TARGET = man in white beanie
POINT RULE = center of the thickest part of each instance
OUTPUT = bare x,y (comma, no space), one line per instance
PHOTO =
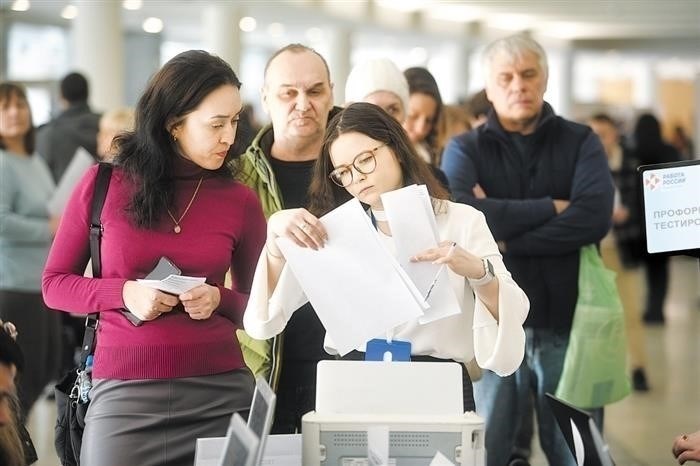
380,82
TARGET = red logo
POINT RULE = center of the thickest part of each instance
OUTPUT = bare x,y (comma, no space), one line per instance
652,181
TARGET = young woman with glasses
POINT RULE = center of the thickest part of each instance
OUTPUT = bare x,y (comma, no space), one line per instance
367,153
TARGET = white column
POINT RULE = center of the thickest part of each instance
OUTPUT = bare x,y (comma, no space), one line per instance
462,73
338,57
99,51
450,67
221,34
646,88
567,76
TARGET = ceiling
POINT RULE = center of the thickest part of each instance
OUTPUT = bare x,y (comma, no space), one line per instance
573,18
559,19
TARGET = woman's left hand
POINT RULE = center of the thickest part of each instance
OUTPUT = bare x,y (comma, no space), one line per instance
201,302
459,260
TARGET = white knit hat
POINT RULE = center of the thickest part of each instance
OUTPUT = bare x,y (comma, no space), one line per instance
378,74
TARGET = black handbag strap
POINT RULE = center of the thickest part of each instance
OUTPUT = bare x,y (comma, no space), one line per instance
104,173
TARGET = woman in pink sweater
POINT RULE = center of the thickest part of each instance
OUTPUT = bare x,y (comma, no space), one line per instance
180,375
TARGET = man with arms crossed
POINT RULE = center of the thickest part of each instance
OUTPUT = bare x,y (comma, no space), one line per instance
545,188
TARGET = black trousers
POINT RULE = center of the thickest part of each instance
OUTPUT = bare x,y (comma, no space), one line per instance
296,395
39,337
656,266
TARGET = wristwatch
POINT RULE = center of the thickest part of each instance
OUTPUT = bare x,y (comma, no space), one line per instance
488,274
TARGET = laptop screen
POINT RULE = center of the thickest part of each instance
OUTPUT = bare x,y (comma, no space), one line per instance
241,444
261,413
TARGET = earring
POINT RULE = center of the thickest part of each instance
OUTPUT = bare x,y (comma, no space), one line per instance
174,138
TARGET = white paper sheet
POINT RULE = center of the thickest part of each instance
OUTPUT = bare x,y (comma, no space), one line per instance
174,284
412,232
353,283
79,164
378,445
411,219
441,460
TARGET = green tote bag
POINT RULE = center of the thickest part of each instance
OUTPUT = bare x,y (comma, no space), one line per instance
594,372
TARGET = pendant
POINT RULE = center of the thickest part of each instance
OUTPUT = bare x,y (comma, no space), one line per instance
177,229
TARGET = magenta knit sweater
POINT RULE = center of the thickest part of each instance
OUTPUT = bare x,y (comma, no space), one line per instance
225,227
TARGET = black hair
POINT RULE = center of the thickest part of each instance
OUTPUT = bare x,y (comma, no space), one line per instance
603,118
74,88
374,122
10,352
147,154
647,132
7,91
479,104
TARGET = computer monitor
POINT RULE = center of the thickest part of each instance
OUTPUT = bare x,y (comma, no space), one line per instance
582,435
671,209
261,413
241,444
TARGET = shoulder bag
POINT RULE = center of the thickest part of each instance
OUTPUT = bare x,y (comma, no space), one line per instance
71,407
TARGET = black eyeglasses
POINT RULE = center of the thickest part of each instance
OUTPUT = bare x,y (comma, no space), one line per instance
364,162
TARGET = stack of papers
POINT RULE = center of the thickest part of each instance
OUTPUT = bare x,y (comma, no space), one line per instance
357,287
409,211
174,284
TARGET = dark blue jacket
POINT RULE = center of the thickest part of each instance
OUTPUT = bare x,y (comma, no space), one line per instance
542,248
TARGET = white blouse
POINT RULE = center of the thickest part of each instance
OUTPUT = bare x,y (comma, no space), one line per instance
497,345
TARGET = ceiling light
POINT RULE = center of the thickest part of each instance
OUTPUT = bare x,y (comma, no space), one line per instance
153,25
132,4
69,12
275,29
20,5
247,24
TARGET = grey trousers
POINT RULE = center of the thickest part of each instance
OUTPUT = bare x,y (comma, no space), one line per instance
157,422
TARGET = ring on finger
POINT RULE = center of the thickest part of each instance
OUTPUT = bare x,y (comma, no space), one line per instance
304,226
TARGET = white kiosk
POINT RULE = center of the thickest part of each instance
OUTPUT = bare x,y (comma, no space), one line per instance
419,402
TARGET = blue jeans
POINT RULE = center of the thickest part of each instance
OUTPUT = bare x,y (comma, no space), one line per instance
501,400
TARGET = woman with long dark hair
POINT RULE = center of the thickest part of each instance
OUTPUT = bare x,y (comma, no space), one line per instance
366,153
180,375
649,148
423,114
